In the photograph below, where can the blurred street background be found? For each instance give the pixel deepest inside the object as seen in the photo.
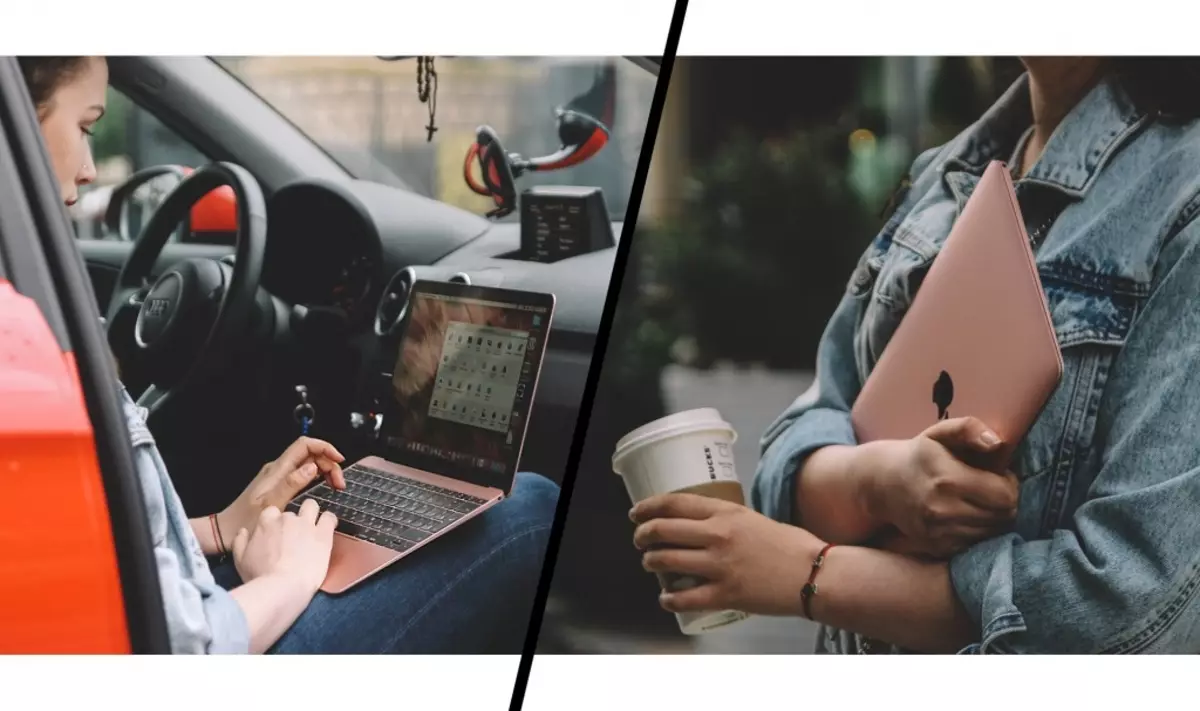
(768, 179)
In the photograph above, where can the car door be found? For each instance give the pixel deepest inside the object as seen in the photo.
(78, 562)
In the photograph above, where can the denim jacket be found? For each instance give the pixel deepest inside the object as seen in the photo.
(1105, 552)
(202, 618)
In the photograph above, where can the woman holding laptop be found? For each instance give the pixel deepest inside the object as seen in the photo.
(262, 596)
(1091, 543)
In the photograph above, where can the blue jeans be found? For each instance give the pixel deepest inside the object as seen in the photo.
(470, 592)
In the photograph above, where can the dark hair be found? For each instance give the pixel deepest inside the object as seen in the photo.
(44, 75)
(1168, 86)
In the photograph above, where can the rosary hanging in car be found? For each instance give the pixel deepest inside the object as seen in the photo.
(427, 83)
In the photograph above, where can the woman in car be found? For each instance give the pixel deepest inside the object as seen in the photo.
(471, 594)
(1092, 544)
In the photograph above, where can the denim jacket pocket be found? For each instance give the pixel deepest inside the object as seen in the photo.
(862, 281)
(896, 277)
(1092, 315)
(914, 244)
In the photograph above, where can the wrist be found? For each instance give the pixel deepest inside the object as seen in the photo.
(291, 580)
(811, 549)
(222, 542)
(305, 584)
(286, 584)
(863, 471)
(230, 520)
(202, 530)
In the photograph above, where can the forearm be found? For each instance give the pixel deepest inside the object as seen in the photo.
(831, 494)
(271, 605)
(893, 598)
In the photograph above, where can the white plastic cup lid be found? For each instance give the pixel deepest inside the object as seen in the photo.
(698, 420)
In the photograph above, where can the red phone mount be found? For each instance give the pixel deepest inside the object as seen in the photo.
(580, 133)
(498, 179)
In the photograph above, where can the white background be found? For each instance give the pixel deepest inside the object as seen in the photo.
(574, 28)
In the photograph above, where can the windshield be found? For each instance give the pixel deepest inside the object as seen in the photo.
(367, 113)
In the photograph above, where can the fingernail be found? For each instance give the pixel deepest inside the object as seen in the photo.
(989, 438)
(632, 514)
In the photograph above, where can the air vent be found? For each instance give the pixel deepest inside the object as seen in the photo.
(394, 301)
(460, 278)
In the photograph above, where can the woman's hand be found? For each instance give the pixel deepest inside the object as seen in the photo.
(749, 561)
(285, 545)
(939, 504)
(279, 482)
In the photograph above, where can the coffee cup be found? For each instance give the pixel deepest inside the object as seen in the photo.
(686, 453)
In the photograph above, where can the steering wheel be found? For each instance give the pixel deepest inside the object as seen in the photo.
(116, 217)
(188, 322)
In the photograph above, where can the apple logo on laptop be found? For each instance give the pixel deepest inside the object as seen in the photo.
(943, 395)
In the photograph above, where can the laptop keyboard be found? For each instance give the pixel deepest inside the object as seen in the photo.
(389, 510)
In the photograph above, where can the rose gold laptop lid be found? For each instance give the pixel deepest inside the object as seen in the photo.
(977, 340)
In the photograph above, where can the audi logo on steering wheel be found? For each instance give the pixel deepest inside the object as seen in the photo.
(157, 307)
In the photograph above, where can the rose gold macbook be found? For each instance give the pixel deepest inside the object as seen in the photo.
(454, 421)
(977, 340)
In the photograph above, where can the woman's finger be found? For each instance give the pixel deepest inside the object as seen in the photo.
(687, 533)
(327, 522)
(964, 433)
(269, 515)
(701, 598)
(309, 510)
(997, 493)
(677, 506)
(332, 472)
(681, 561)
(953, 512)
(305, 448)
(301, 477)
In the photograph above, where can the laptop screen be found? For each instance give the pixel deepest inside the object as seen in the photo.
(464, 380)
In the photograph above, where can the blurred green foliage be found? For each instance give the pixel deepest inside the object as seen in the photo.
(111, 137)
(640, 339)
(771, 230)
(768, 236)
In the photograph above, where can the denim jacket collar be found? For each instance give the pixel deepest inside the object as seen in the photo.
(1077, 150)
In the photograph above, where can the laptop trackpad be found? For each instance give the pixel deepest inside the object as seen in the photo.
(353, 560)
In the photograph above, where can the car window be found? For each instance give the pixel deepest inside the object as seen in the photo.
(368, 114)
(128, 139)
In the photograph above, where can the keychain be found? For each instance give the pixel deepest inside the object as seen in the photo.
(304, 412)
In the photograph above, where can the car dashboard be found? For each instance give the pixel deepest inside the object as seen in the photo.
(341, 246)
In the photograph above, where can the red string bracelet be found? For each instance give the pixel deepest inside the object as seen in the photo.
(810, 588)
